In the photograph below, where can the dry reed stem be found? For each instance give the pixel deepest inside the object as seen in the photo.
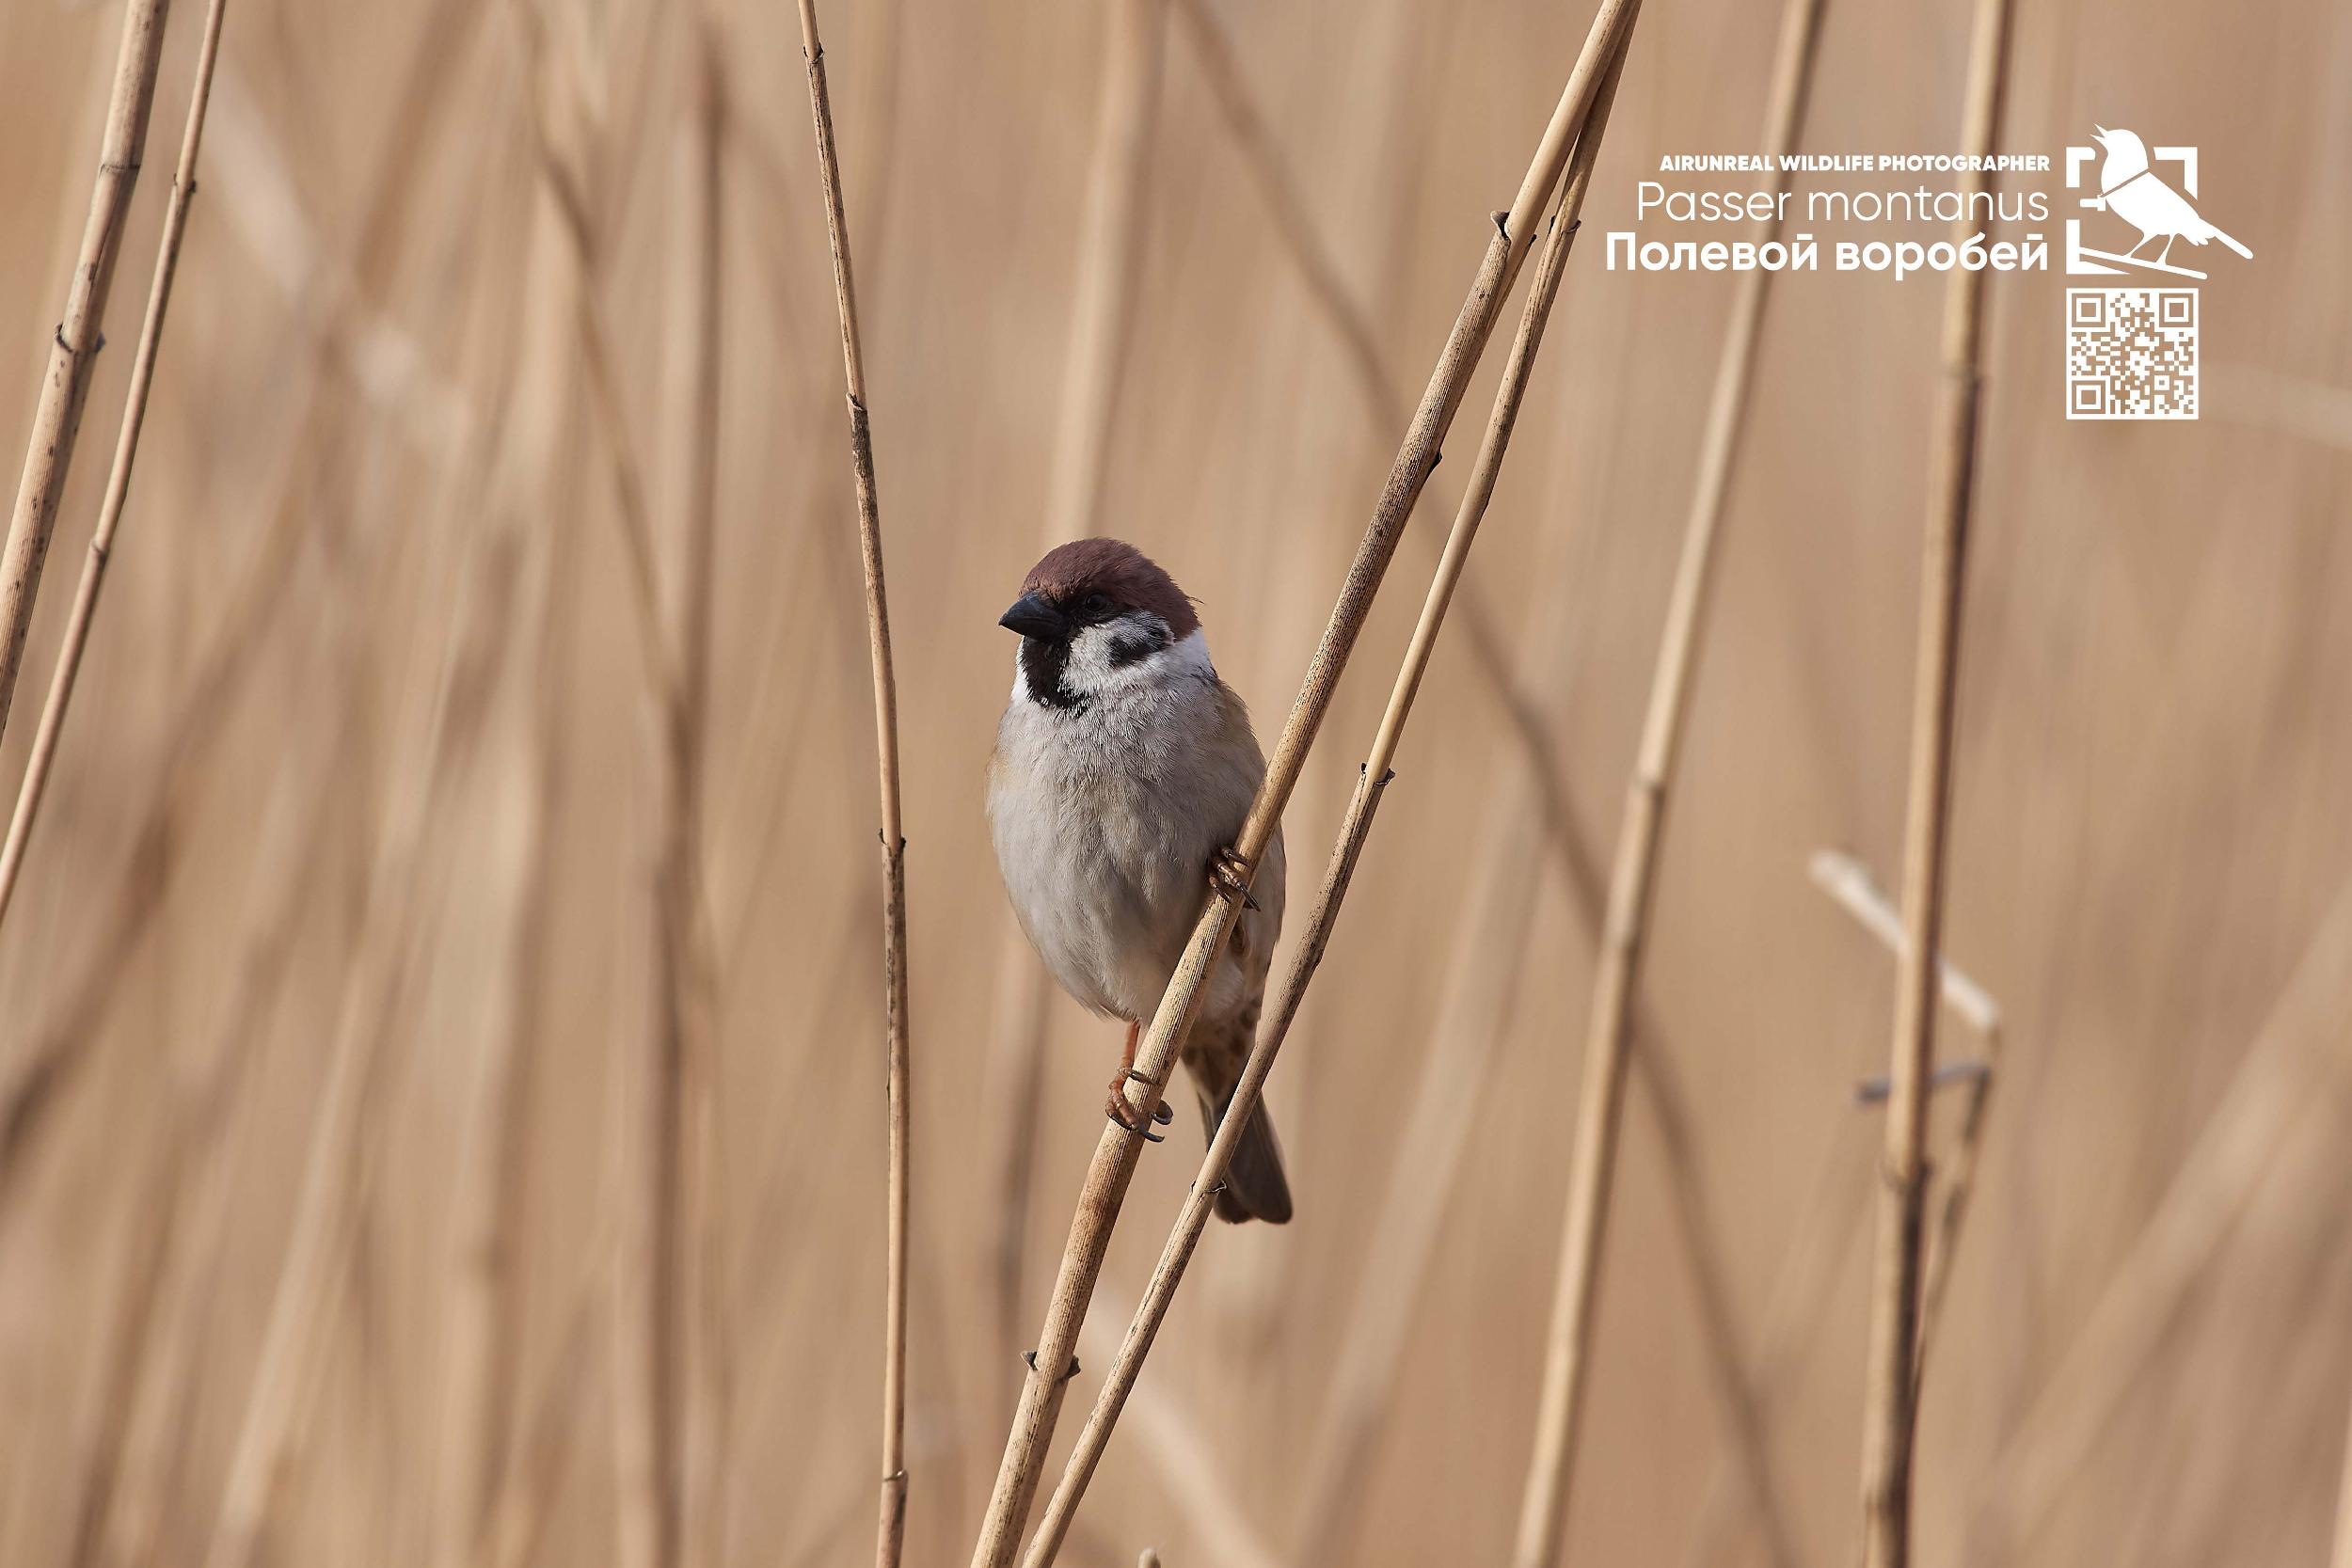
(890, 1539)
(687, 1039)
(1110, 252)
(1355, 827)
(1847, 881)
(118, 477)
(2289, 1066)
(492, 1211)
(73, 349)
(1543, 1514)
(1890, 1411)
(1118, 1149)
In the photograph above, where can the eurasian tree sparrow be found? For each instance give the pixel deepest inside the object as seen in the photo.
(1122, 771)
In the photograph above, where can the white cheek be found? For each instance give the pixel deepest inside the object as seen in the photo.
(1091, 668)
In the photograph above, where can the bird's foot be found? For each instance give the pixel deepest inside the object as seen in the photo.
(1229, 875)
(1119, 1111)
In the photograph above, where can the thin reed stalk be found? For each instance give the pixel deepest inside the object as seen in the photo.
(665, 1424)
(1543, 1514)
(118, 477)
(1849, 883)
(1118, 1149)
(74, 349)
(1109, 269)
(491, 1291)
(890, 1538)
(1355, 827)
(689, 1026)
(1890, 1413)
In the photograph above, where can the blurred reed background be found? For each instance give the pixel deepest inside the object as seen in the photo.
(341, 959)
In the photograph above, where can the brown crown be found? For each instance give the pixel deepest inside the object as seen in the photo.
(1119, 572)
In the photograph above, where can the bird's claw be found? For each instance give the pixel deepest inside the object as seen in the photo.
(1126, 1116)
(1229, 875)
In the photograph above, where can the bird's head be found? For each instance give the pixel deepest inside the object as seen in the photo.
(1095, 615)
(2124, 150)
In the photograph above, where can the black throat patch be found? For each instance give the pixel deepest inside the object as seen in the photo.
(1043, 665)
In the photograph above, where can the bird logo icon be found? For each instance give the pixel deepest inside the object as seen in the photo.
(2130, 188)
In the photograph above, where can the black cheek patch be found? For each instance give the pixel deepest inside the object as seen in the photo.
(1133, 647)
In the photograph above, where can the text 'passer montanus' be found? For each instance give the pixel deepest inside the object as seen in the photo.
(1122, 772)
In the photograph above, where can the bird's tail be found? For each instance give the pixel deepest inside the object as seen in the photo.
(1255, 1187)
(2230, 243)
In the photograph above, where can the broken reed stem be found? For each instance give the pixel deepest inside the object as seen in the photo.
(1890, 1411)
(118, 477)
(74, 349)
(1543, 1512)
(891, 1534)
(1847, 880)
(1118, 1149)
(1372, 780)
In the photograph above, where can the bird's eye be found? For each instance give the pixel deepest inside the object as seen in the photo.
(1095, 604)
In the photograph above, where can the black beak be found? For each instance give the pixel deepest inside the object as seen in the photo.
(1032, 616)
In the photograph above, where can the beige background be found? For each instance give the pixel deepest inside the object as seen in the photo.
(2154, 755)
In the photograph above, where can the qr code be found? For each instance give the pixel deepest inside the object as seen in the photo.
(2130, 353)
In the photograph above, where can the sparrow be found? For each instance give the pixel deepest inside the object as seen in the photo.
(2129, 187)
(1122, 771)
